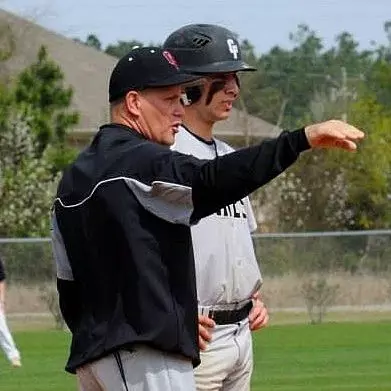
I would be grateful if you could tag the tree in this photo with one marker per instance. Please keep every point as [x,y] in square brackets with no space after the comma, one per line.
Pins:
[288,79]
[121,48]
[92,41]
[369,176]
[293,75]
[7,47]
[256,97]
[379,81]
[39,93]
[27,184]
[326,190]
[333,190]
[384,51]
[7,42]
[310,196]
[34,118]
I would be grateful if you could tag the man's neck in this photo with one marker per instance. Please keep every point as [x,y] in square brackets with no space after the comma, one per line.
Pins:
[119,118]
[198,125]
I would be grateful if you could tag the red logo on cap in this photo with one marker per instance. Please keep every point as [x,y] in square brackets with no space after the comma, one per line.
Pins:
[171,59]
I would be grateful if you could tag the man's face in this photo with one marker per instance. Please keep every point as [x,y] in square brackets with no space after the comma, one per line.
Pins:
[161,112]
[219,92]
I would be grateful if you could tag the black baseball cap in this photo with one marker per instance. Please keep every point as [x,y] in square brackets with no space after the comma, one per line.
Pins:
[146,67]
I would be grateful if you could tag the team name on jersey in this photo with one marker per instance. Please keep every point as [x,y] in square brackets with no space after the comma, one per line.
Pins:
[234,210]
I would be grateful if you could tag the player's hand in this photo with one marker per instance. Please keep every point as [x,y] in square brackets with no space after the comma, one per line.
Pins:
[204,334]
[333,134]
[258,316]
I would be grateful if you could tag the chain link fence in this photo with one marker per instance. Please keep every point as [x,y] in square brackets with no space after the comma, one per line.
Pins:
[327,271]
[308,272]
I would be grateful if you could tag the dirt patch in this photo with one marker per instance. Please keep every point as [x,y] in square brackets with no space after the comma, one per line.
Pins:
[361,291]
[278,292]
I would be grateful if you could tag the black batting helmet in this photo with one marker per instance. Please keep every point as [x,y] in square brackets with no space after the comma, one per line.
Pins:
[206,48]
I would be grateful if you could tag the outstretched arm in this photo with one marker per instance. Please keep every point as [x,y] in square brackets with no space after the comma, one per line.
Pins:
[183,189]
[231,177]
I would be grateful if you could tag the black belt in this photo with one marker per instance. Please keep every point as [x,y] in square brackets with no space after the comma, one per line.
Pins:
[231,316]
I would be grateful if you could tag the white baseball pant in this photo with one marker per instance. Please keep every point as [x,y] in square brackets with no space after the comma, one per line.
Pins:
[227,363]
[6,341]
[144,369]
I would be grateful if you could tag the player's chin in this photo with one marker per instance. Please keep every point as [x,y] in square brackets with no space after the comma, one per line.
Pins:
[223,115]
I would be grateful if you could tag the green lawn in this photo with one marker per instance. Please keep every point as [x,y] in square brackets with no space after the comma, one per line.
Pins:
[332,356]
[43,358]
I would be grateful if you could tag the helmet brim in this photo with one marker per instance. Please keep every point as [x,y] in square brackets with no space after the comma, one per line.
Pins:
[219,67]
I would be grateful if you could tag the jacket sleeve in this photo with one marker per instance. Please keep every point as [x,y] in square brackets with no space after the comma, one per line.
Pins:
[68,289]
[183,189]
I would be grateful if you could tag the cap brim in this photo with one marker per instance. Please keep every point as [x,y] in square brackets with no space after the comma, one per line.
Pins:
[178,79]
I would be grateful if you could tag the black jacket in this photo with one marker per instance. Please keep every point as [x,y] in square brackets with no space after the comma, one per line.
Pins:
[122,241]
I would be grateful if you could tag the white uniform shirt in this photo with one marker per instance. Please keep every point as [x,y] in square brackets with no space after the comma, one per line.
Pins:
[226,267]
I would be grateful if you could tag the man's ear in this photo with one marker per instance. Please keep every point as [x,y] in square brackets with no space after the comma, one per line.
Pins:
[133,103]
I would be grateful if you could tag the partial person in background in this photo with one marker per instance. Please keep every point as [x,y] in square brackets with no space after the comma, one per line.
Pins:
[6,341]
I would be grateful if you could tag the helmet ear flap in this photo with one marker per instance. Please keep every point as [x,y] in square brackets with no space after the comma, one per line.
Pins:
[193,94]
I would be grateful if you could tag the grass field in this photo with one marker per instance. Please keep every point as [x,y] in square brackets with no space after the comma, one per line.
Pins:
[332,356]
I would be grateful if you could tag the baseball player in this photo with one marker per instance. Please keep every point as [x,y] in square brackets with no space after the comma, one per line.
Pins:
[6,340]
[228,277]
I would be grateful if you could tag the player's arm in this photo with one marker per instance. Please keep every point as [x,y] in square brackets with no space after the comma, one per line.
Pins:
[183,189]
[231,177]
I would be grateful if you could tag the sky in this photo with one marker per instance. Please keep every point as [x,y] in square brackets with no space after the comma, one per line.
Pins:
[264,23]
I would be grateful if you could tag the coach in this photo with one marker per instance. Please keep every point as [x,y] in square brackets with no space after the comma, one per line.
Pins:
[121,235]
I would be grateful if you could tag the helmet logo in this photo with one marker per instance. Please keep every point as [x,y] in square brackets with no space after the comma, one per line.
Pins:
[171,59]
[233,48]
